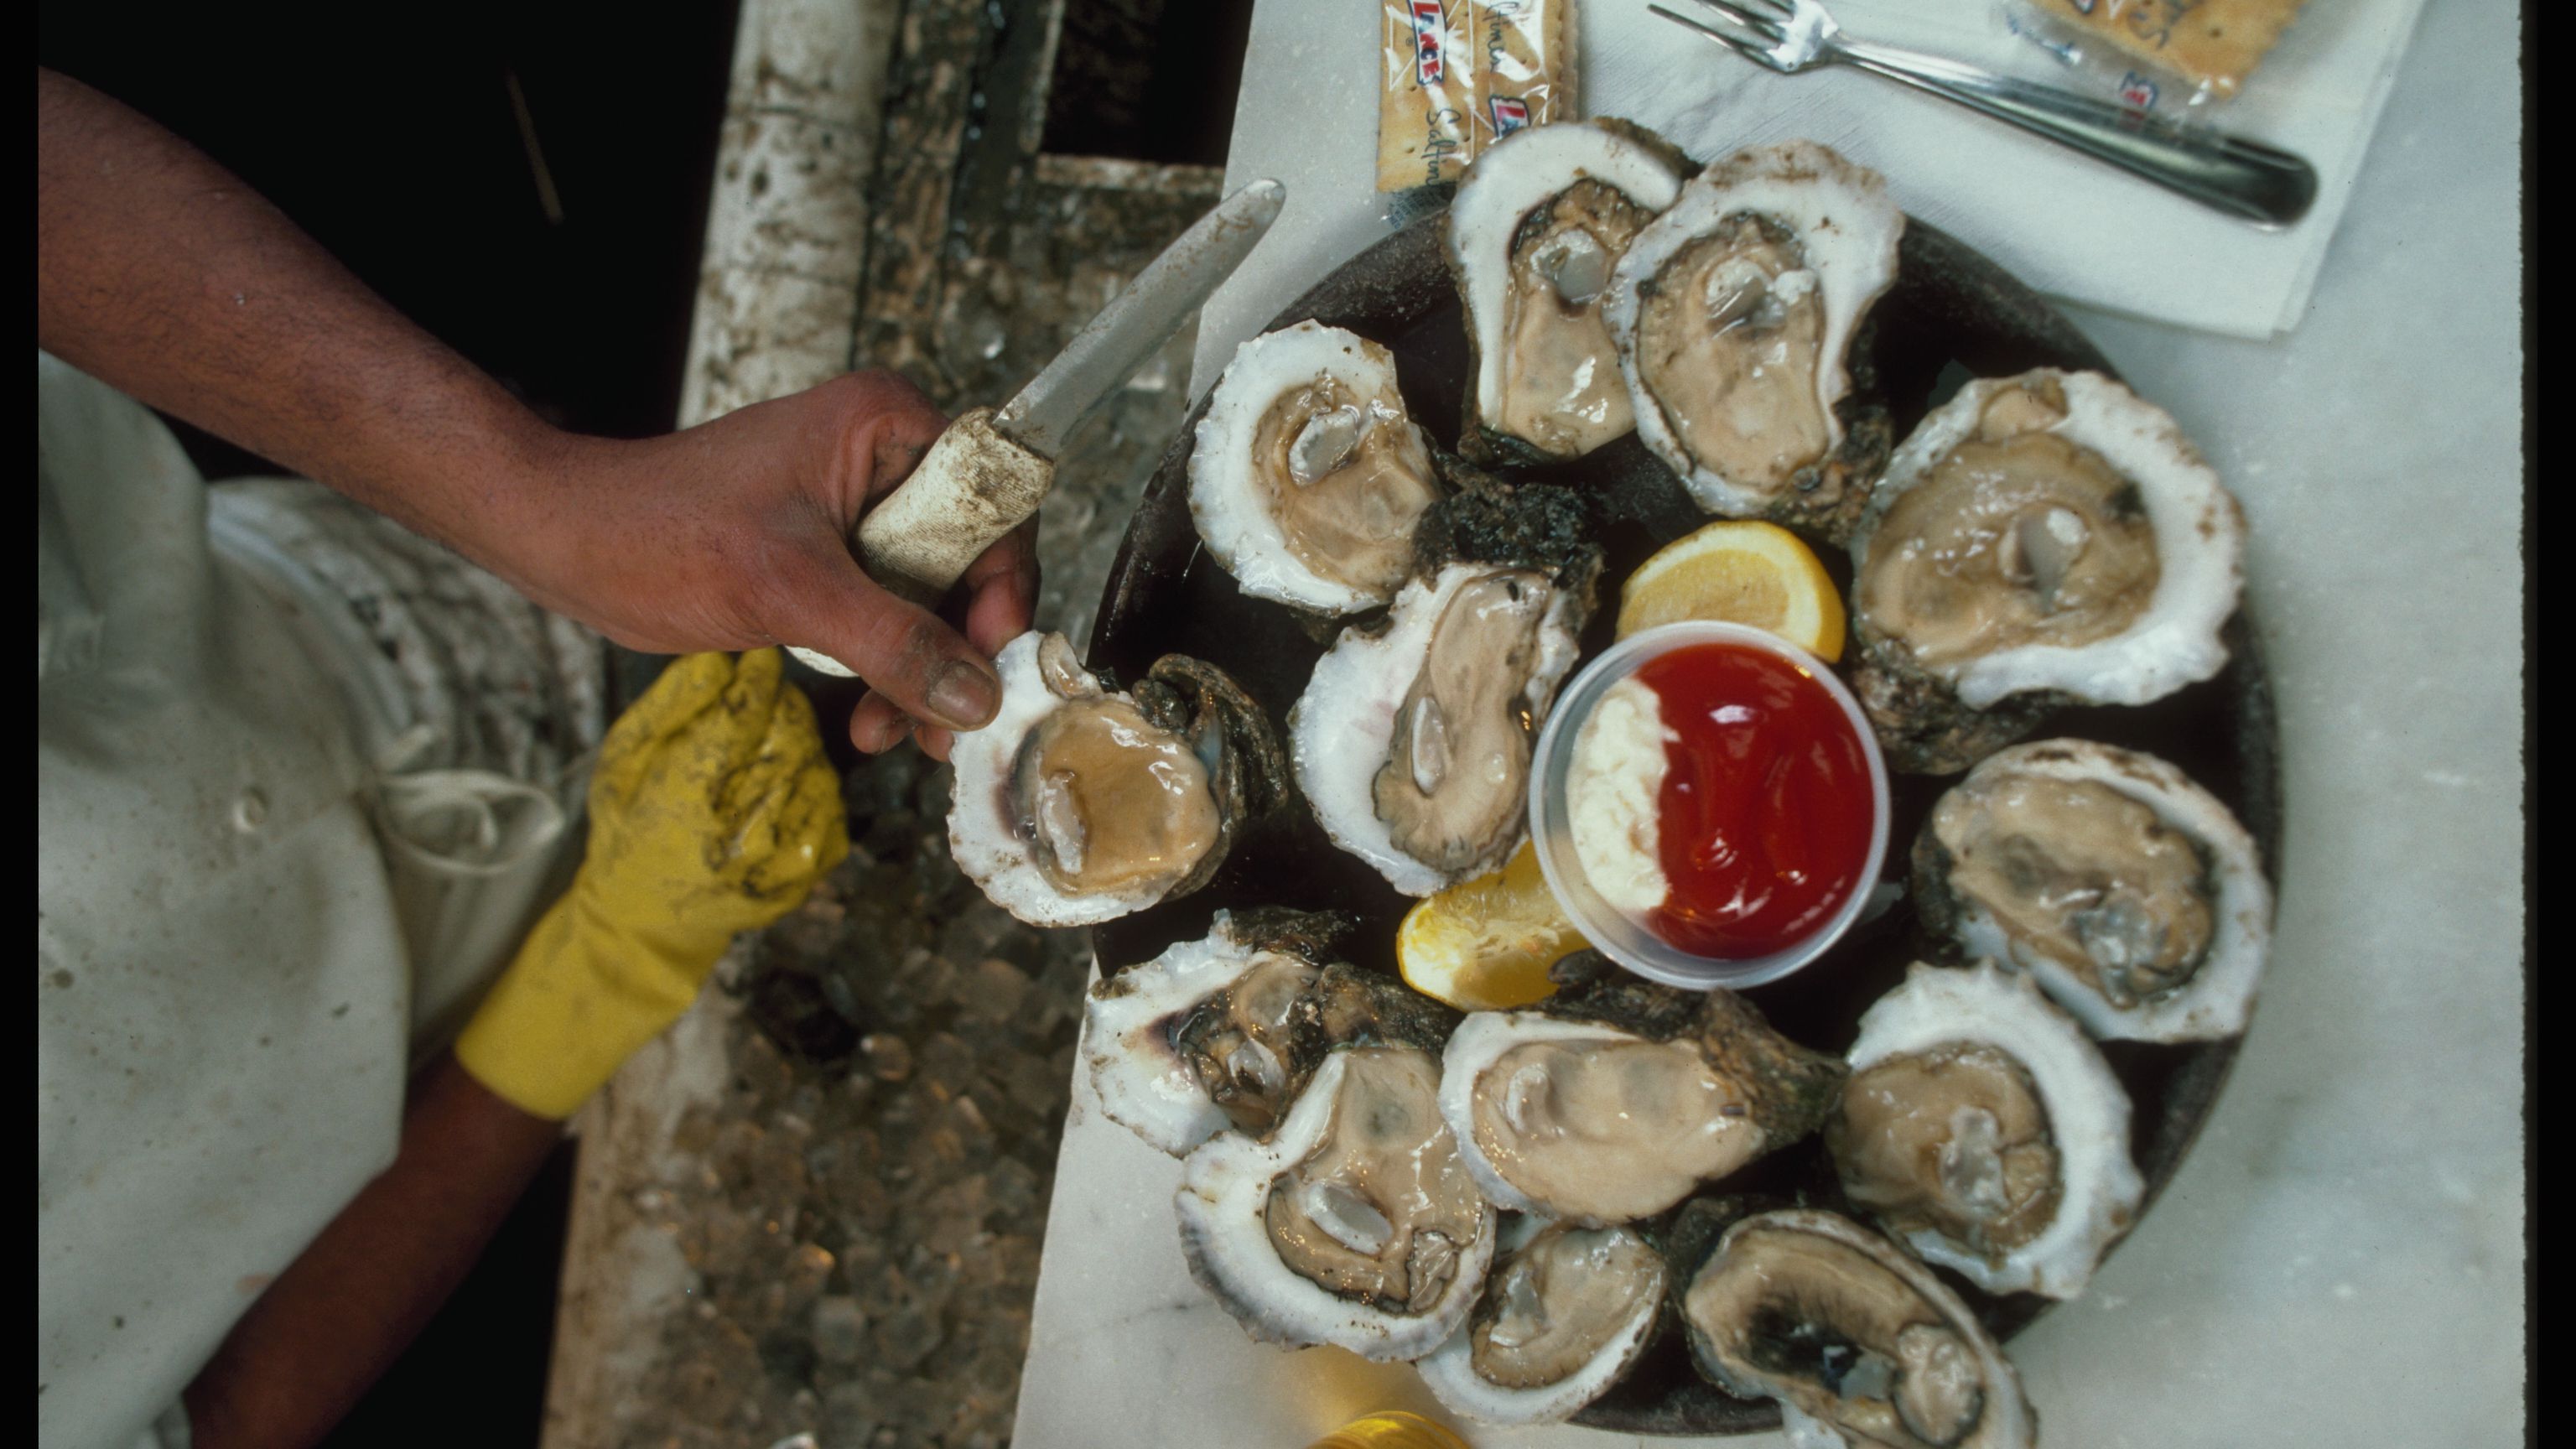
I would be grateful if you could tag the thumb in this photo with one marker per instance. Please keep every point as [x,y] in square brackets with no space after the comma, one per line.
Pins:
[899,648]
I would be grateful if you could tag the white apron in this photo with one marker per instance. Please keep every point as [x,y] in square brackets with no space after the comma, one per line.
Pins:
[301,784]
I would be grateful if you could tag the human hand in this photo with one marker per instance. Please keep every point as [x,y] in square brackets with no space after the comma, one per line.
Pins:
[712,811]
[735,534]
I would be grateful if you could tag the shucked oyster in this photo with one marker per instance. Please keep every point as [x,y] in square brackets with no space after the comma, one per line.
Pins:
[1538,222]
[1566,1312]
[1738,315]
[1306,476]
[2130,893]
[1981,1127]
[1863,1347]
[1413,742]
[1078,804]
[1354,1224]
[1614,1099]
[1226,1030]
[2040,539]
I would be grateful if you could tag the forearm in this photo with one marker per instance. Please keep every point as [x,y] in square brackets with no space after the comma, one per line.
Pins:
[162,274]
[346,1308]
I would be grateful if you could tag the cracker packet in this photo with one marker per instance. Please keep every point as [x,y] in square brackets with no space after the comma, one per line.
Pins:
[2158,54]
[1457,75]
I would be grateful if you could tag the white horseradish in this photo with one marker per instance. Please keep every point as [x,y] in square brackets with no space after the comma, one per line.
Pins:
[1612,788]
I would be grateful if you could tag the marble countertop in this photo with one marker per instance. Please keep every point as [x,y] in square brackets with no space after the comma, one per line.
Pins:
[2341,1258]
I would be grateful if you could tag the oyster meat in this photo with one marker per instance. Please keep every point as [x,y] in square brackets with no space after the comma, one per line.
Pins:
[1306,475]
[2039,540]
[1354,1224]
[1566,1312]
[1983,1129]
[1078,803]
[1539,220]
[1859,1343]
[1739,319]
[1413,741]
[1615,1099]
[2131,894]
[1224,1031]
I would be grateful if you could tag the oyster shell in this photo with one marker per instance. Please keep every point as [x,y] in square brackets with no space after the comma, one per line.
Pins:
[1739,317]
[1078,803]
[1224,1031]
[2131,894]
[1354,1224]
[2039,540]
[1983,1129]
[1538,222]
[1306,475]
[1412,741]
[1860,1344]
[1615,1099]
[1566,1312]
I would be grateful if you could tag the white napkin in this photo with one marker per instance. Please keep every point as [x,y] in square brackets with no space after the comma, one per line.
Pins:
[2067,225]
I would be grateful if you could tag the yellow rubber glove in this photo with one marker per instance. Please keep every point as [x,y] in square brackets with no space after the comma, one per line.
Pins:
[712,811]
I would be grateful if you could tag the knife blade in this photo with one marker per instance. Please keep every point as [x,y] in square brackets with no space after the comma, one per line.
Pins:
[989,471]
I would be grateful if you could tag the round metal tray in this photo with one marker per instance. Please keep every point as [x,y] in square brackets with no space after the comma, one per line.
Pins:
[1951,315]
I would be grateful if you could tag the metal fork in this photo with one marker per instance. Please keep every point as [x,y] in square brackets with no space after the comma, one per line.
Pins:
[2262,184]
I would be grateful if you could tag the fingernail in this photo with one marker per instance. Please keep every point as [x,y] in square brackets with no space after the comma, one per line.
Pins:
[882,735]
[964,697]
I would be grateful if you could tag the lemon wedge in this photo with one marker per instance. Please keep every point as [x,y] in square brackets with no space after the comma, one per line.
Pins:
[1740,573]
[1486,944]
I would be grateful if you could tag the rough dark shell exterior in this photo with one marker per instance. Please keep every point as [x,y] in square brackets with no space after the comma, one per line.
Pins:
[1539,526]
[1922,727]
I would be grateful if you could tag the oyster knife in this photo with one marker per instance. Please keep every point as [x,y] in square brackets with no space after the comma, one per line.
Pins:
[990,470]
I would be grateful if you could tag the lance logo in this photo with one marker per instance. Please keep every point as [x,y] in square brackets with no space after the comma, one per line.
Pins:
[1428,66]
[2137,92]
[1510,114]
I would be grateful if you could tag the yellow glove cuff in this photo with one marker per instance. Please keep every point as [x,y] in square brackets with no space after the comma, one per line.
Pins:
[579,1000]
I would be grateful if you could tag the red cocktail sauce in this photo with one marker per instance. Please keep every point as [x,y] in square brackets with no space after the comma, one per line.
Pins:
[1767,808]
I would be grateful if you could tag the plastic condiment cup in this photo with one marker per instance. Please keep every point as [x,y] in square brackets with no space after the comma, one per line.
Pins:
[1627,939]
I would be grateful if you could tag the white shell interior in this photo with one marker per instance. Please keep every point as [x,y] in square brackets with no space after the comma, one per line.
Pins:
[1509,181]
[1141,1081]
[1226,502]
[1341,728]
[2200,547]
[1849,229]
[2220,996]
[1224,1193]
[2088,1115]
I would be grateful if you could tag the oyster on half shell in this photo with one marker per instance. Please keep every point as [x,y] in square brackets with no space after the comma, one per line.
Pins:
[1982,1128]
[1413,739]
[1615,1099]
[1354,1224]
[1224,1031]
[1306,474]
[1566,1312]
[1861,1345]
[2040,540]
[1539,220]
[1739,315]
[2132,894]
[1079,803]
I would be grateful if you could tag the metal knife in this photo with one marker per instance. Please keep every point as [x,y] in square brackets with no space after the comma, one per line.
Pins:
[992,468]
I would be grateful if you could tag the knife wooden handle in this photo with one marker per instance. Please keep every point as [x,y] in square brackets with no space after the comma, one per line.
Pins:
[974,486]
